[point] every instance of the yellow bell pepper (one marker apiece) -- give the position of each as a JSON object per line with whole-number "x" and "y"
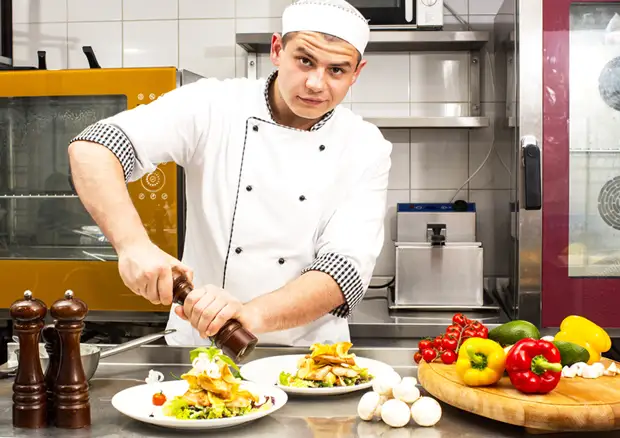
{"x": 581, "y": 331}
{"x": 481, "y": 362}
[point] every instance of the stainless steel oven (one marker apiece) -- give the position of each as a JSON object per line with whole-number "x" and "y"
{"x": 401, "y": 13}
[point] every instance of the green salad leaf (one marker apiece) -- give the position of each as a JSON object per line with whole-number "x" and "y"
{"x": 181, "y": 410}
{"x": 212, "y": 353}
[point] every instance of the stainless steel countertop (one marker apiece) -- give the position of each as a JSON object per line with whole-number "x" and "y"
{"x": 329, "y": 417}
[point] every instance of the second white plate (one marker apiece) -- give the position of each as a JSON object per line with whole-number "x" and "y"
{"x": 266, "y": 371}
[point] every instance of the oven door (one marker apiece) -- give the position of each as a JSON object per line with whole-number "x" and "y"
{"x": 48, "y": 241}
{"x": 387, "y": 12}
{"x": 581, "y": 161}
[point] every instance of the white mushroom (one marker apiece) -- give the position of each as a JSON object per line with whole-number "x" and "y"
{"x": 569, "y": 372}
{"x": 426, "y": 411}
{"x": 547, "y": 338}
{"x": 395, "y": 413}
{"x": 612, "y": 370}
{"x": 406, "y": 392}
{"x": 599, "y": 366}
{"x": 384, "y": 383}
{"x": 592, "y": 372}
{"x": 410, "y": 380}
{"x": 369, "y": 406}
{"x": 578, "y": 367}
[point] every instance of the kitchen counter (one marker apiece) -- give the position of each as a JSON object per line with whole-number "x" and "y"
{"x": 326, "y": 417}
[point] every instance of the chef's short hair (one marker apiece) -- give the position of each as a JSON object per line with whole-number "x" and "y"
{"x": 287, "y": 37}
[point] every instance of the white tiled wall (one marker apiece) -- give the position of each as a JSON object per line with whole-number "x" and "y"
{"x": 199, "y": 35}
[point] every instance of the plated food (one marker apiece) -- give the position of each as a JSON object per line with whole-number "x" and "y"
{"x": 213, "y": 391}
{"x": 329, "y": 369}
{"x": 207, "y": 396}
{"x": 325, "y": 367}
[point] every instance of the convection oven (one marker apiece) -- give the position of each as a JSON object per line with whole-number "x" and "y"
{"x": 48, "y": 241}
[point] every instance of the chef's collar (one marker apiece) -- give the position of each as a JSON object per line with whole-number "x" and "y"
{"x": 316, "y": 126}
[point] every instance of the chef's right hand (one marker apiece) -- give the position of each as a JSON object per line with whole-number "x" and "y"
{"x": 147, "y": 271}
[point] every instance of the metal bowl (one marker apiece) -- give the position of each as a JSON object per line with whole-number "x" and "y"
{"x": 91, "y": 354}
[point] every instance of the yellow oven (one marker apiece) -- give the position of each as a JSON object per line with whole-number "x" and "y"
{"x": 48, "y": 242}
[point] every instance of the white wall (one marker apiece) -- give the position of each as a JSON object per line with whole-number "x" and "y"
{"x": 199, "y": 35}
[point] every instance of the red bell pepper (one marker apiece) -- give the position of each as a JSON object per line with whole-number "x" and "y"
{"x": 534, "y": 367}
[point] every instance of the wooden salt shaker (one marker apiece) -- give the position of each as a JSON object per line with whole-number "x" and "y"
{"x": 233, "y": 339}
{"x": 72, "y": 405}
{"x": 29, "y": 395}
{"x": 52, "y": 346}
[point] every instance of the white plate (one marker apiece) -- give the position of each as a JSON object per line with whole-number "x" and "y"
{"x": 136, "y": 402}
{"x": 266, "y": 371}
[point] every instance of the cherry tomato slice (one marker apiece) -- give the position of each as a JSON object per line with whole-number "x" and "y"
{"x": 159, "y": 399}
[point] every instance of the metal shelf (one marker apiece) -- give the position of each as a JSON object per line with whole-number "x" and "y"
{"x": 37, "y": 195}
{"x": 390, "y": 41}
{"x": 429, "y": 122}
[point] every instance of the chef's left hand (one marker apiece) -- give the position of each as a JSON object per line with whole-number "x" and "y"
{"x": 208, "y": 308}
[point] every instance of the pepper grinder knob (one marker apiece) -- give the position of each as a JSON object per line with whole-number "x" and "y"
{"x": 233, "y": 339}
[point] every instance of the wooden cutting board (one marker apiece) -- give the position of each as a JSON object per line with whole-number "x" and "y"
{"x": 576, "y": 404}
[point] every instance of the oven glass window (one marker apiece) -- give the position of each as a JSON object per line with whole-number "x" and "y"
{"x": 41, "y": 217}
{"x": 594, "y": 129}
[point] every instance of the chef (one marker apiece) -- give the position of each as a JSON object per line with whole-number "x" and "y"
{"x": 286, "y": 190}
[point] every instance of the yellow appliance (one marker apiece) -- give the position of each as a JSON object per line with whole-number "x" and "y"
{"x": 48, "y": 242}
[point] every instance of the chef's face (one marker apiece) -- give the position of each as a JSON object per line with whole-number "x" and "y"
{"x": 315, "y": 71}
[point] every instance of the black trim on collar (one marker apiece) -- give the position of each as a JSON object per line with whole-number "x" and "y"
{"x": 318, "y": 125}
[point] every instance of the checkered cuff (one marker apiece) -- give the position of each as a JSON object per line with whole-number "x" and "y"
{"x": 114, "y": 139}
{"x": 345, "y": 275}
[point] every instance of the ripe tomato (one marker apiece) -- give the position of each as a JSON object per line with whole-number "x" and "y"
{"x": 450, "y": 344}
{"x": 469, "y": 333}
{"x": 459, "y": 320}
{"x": 438, "y": 341}
{"x": 429, "y": 355}
{"x": 454, "y": 329}
{"x": 482, "y": 332}
{"x": 417, "y": 357}
{"x": 448, "y": 357}
{"x": 425, "y": 344}
{"x": 159, "y": 399}
{"x": 476, "y": 325}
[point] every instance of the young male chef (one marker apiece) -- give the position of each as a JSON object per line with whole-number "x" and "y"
{"x": 286, "y": 190}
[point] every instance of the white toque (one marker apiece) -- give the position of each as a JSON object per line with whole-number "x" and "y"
{"x": 332, "y": 17}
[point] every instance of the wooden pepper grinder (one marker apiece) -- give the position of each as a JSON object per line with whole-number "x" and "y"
{"x": 233, "y": 339}
{"x": 29, "y": 396}
{"x": 52, "y": 346}
{"x": 72, "y": 405}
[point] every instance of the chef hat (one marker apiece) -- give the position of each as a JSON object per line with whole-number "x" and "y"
{"x": 332, "y": 17}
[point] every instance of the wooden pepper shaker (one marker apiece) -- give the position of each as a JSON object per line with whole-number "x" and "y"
{"x": 29, "y": 395}
{"x": 52, "y": 346}
{"x": 233, "y": 339}
{"x": 72, "y": 405}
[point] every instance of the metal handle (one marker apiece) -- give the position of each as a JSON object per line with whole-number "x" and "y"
{"x": 135, "y": 343}
{"x": 409, "y": 11}
{"x": 532, "y": 178}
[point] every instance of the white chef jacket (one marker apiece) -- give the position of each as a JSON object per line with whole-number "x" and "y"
{"x": 265, "y": 202}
